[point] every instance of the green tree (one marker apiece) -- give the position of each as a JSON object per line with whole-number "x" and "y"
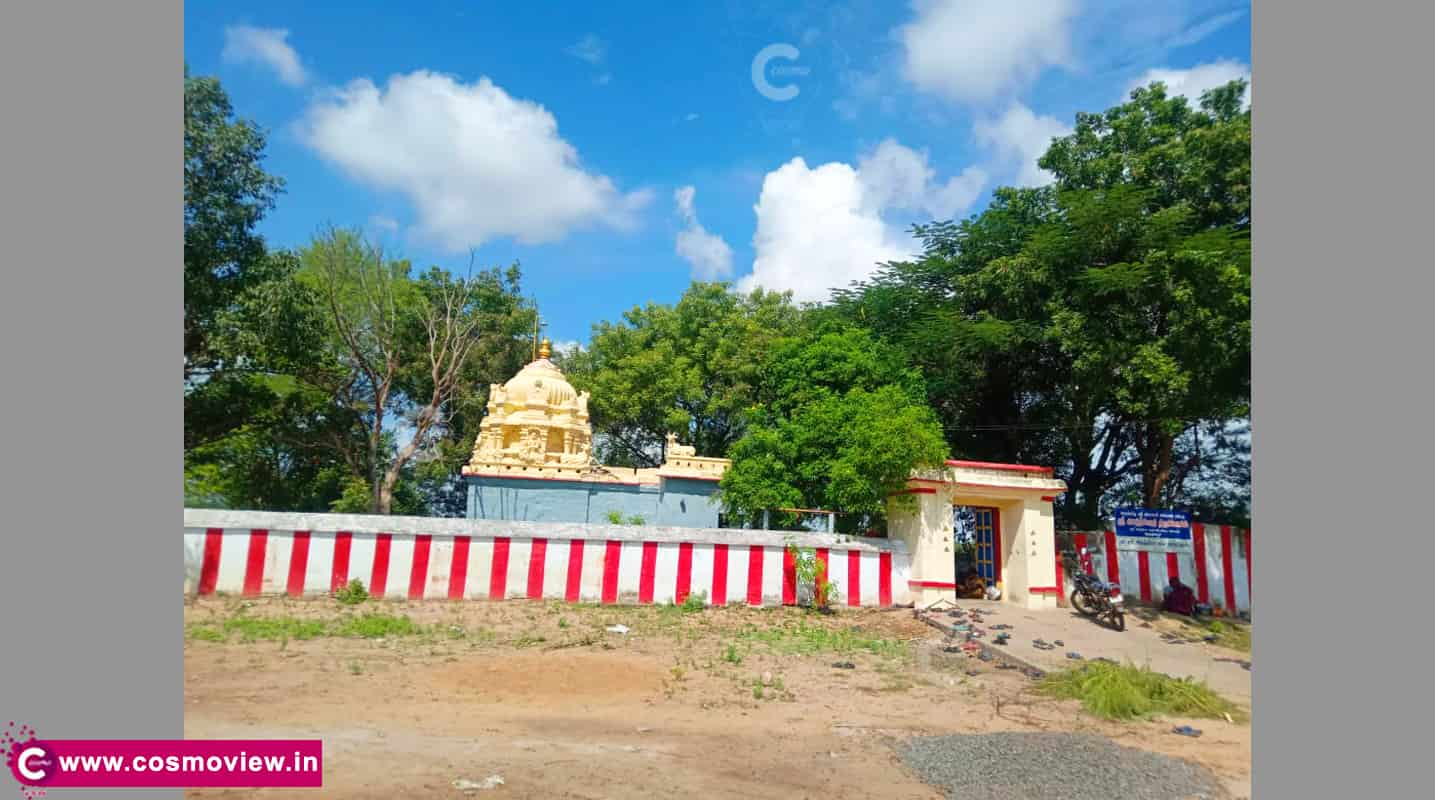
{"x": 692, "y": 369}
{"x": 226, "y": 194}
{"x": 843, "y": 424}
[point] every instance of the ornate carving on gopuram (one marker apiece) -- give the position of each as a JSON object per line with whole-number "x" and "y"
{"x": 537, "y": 426}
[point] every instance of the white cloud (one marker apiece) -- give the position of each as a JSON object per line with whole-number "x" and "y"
{"x": 590, "y": 48}
{"x": 692, "y": 117}
{"x": 1191, "y": 83}
{"x": 898, "y": 177}
{"x": 475, "y": 162}
{"x": 566, "y": 345}
{"x": 1204, "y": 28}
{"x": 974, "y": 51}
{"x": 245, "y": 44}
{"x": 1020, "y": 137}
{"x": 823, "y": 228}
{"x": 383, "y": 224}
{"x": 709, "y": 255}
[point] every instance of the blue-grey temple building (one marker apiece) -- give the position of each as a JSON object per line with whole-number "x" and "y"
{"x": 533, "y": 461}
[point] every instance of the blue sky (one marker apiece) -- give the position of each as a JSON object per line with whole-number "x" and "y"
{"x": 621, "y": 150}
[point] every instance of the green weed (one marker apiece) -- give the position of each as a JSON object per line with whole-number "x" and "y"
{"x": 1130, "y": 692}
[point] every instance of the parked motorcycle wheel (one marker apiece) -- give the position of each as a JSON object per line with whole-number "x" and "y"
{"x": 1082, "y": 605}
{"x": 1118, "y": 620}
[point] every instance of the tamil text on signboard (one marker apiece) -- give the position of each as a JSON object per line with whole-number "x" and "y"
{"x": 1153, "y": 531}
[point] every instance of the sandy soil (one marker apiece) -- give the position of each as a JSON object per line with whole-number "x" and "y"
{"x": 541, "y": 695}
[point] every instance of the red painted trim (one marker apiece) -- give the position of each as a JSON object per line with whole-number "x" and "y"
{"x": 1198, "y": 543}
{"x": 822, "y": 558}
{"x": 419, "y": 570}
{"x": 498, "y": 571}
{"x": 789, "y": 577}
{"x": 575, "y": 571}
{"x": 612, "y": 557}
{"x": 379, "y": 578}
{"x": 884, "y": 579}
{"x": 997, "y": 465}
{"x": 209, "y": 571}
{"x": 1173, "y": 568}
{"x": 916, "y": 490}
{"x": 1060, "y": 578}
{"x": 1143, "y": 572}
{"x": 648, "y": 573}
{"x": 719, "y": 594}
{"x": 298, "y": 563}
{"x": 997, "y": 543}
{"x": 1113, "y": 569}
{"x": 854, "y": 578}
{"x": 458, "y": 568}
{"x": 676, "y": 477}
{"x": 1044, "y": 590}
{"x": 254, "y": 566}
{"x": 684, "y": 584}
{"x": 930, "y": 585}
{"x": 339, "y": 573}
{"x": 558, "y": 480}
{"x": 754, "y": 575}
{"x": 1048, "y": 498}
{"x": 536, "y": 557}
{"x": 1228, "y": 567}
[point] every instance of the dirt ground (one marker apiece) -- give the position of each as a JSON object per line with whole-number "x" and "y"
{"x": 731, "y": 702}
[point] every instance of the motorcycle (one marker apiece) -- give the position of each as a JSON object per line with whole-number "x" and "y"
{"x": 1094, "y": 598}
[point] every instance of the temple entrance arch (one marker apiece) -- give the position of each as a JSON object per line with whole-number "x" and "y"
{"x": 1012, "y": 518}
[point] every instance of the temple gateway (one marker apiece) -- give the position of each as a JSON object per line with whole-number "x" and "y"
{"x": 533, "y": 461}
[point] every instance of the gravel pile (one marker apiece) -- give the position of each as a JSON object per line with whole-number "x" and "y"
{"x": 1059, "y": 766}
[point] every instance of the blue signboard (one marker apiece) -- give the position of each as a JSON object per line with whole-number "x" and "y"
{"x": 1153, "y": 531}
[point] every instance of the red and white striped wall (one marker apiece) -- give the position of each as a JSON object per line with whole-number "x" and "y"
{"x": 416, "y": 558}
{"x": 1218, "y": 568}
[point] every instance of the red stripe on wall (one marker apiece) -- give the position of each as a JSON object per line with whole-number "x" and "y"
{"x": 536, "y": 556}
{"x": 458, "y": 568}
{"x": 823, "y": 572}
{"x": 1143, "y": 572}
{"x": 1113, "y": 570}
{"x": 719, "y": 574}
{"x": 1228, "y": 569}
{"x": 789, "y": 577}
{"x": 1248, "y": 566}
{"x": 419, "y": 570}
{"x": 1173, "y": 568}
{"x": 647, "y": 573}
{"x": 754, "y": 575}
{"x": 1198, "y": 543}
{"x": 1060, "y": 578}
{"x": 340, "y": 573}
{"x": 254, "y": 567}
{"x": 884, "y": 579}
{"x": 575, "y": 570}
{"x": 854, "y": 578}
{"x": 685, "y": 572}
{"x": 209, "y": 571}
{"x": 498, "y": 573}
{"x": 612, "y": 556}
{"x": 380, "y": 578}
{"x": 298, "y": 563}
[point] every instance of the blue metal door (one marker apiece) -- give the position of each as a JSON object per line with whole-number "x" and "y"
{"x": 986, "y": 545}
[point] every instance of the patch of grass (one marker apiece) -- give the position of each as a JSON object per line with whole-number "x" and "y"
{"x": 1129, "y": 692}
{"x": 205, "y": 633}
{"x": 376, "y": 626}
{"x": 528, "y": 640}
{"x": 731, "y": 655}
{"x": 802, "y": 639}
{"x": 355, "y": 668}
{"x": 254, "y": 629}
{"x": 352, "y": 594}
{"x": 694, "y": 602}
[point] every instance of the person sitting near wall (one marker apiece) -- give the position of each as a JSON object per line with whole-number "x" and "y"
{"x": 1179, "y": 598}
